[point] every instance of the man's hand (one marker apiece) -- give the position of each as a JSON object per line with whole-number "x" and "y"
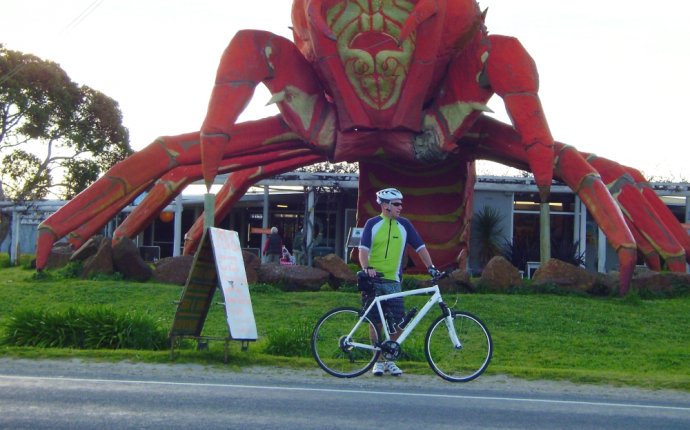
{"x": 433, "y": 271}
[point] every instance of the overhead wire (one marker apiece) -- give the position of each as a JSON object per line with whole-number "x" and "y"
{"x": 72, "y": 24}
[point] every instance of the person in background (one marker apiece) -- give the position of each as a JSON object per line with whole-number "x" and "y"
{"x": 298, "y": 245}
{"x": 273, "y": 248}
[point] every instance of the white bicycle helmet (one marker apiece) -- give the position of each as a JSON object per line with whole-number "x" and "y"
{"x": 388, "y": 194}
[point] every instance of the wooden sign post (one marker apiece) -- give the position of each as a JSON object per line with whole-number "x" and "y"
{"x": 218, "y": 263}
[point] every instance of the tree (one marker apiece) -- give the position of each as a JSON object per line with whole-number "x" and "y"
{"x": 56, "y": 137}
{"x": 328, "y": 167}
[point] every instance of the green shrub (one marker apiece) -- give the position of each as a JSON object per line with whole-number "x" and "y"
{"x": 115, "y": 276}
{"x": 84, "y": 328}
{"x": 291, "y": 341}
{"x": 72, "y": 270}
{"x": 354, "y": 268}
{"x": 25, "y": 261}
{"x": 347, "y": 287}
{"x": 264, "y": 288}
{"x": 413, "y": 348}
{"x": 412, "y": 282}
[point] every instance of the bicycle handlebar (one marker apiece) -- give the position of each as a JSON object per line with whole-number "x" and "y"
{"x": 441, "y": 275}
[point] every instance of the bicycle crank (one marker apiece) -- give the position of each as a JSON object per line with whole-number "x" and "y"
{"x": 390, "y": 350}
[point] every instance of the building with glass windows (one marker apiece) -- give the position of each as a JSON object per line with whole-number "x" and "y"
{"x": 324, "y": 206}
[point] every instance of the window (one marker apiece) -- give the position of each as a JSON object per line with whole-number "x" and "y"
{"x": 525, "y": 245}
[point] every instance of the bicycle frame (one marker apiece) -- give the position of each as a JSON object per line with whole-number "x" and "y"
{"x": 436, "y": 298}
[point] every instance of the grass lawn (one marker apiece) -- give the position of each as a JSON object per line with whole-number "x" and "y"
{"x": 626, "y": 341}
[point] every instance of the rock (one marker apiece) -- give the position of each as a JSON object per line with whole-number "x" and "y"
{"x": 101, "y": 262}
{"x": 128, "y": 261}
{"x": 661, "y": 283}
{"x": 606, "y": 284}
{"x": 59, "y": 255}
{"x": 293, "y": 278}
{"x": 251, "y": 264}
{"x": 339, "y": 272}
{"x": 173, "y": 270}
{"x": 566, "y": 276}
{"x": 88, "y": 249}
{"x": 500, "y": 275}
{"x": 457, "y": 281}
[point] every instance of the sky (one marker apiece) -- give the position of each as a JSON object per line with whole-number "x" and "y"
{"x": 614, "y": 75}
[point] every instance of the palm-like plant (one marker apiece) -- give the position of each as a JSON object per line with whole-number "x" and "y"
{"x": 488, "y": 232}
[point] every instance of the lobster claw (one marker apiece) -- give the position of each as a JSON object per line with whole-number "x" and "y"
{"x": 423, "y": 10}
{"x": 316, "y": 17}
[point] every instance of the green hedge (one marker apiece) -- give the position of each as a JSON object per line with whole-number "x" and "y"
{"x": 84, "y": 328}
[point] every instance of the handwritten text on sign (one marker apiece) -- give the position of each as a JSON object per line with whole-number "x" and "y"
{"x": 233, "y": 283}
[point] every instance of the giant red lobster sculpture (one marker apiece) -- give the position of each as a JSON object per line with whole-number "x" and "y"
{"x": 401, "y": 87}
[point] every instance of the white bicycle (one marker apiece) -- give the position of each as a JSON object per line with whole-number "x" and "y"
{"x": 346, "y": 343}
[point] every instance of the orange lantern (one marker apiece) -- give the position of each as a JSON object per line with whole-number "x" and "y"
{"x": 167, "y": 216}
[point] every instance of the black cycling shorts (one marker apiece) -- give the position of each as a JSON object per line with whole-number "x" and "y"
{"x": 395, "y": 307}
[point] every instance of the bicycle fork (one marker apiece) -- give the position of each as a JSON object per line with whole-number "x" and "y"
{"x": 450, "y": 325}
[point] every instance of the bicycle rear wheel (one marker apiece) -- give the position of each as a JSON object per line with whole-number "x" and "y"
{"x": 464, "y": 363}
{"x": 334, "y": 351}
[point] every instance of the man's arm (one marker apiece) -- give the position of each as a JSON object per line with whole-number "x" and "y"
{"x": 364, "y": 262}
{"x": 426, "y": 258}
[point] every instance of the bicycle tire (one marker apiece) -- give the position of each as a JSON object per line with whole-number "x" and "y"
{"x": 458, "y": 364}
{"x": 327, "y": 347}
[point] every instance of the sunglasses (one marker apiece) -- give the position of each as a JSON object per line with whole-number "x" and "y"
{"x": 397, "y": 204}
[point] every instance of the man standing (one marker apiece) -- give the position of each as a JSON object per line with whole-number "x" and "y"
{"x": 381, "y": 250}
{"x": 273, "y": 248}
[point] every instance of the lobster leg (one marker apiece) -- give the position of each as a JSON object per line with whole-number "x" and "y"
{"x": 641, "y": 204}
{"x": 513, "y": 75}
{"x": 253, "y": 57}
{"x": 94, "y": 207}
{"x": 500, "y": 142}
{"x": 238, "y": 183}
{"x": 168, "y": 187}
{"x": 120, "y": 185}
{"x": 505, "y": 68}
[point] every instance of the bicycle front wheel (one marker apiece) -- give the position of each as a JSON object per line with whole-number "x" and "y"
{"x": 458, "y": 363}
{"x": 338, "y": 354}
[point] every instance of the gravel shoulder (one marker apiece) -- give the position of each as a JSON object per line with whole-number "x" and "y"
{"x": 486, "y": 385}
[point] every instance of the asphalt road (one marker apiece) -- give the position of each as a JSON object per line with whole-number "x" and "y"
{"x": 83, "y": 395}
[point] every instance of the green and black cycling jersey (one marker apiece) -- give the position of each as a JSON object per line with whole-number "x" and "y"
{"x": 385, "y": 239}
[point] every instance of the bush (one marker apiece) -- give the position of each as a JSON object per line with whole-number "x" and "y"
{"x": 291, "y": 341}
{"x": 412, "y": 282}
{"x": 71, "y": 270}
{"x": 25, "y": 261}
{"x": 264, "y": 288}
{"x": 84, "y": 328}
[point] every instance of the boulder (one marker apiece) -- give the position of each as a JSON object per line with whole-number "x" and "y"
{"x": 499, "y": 275}
{"x": 606, "y": 284}
{"x": 173, "y": 270}
{"x": 293, "y": 278}
{"x": 59, "y": 255}
{"x": 128, "y": 261}
{"x": 251, "y": 264}
{"x": 88, "y": 249}
{"x": 566, "y": 276}
{"x": 457, "y": 281}
{"x": 661, "y": 283}
{"x": 101, "y": 262}
{"x": 338, "y": 270}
